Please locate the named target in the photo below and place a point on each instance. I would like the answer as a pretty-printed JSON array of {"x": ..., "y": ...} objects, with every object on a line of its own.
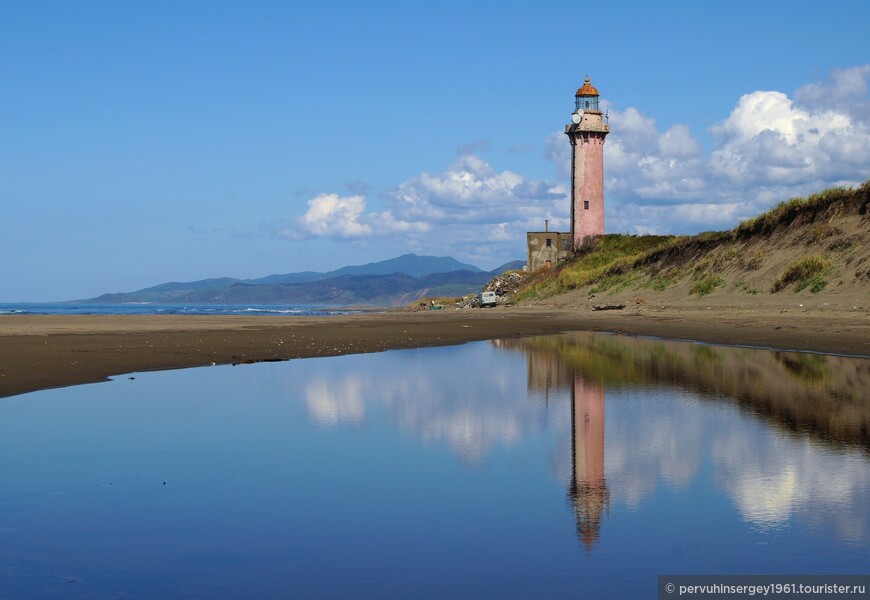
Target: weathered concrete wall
[{"x": 538, "y": 252}]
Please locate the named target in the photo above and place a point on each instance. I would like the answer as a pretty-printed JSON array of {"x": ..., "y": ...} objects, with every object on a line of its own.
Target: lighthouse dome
[{"x": 586, "y": 89}]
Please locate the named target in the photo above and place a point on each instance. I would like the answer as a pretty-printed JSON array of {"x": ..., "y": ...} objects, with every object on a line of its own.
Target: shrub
[
  {"x": 706, "y": 285},
  {"x": 809, "y": 271}
]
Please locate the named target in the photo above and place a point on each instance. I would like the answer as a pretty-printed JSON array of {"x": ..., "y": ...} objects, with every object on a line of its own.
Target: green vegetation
[
  {"x": 706, "y": 285},
  {"x": 663, "y": 281},
  {"x": 605, "y": 262},
  {"x": 612, "y": 263},
  {"x": 788, "y": 211},
  {"x": 613, "y": 283},
  {"x": 806, "y": 272}
]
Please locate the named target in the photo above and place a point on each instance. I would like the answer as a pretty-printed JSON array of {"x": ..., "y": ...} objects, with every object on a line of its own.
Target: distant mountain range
[{"x": 390, "y": 282}]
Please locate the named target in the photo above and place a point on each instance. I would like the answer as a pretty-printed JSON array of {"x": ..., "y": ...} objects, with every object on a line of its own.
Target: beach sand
[{"x": 45, "y": 351}]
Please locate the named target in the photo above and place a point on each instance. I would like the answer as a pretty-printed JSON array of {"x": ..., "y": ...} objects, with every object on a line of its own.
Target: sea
[
  {"x": 147, "y": 308},
  {"x": 581, "y": 465}
]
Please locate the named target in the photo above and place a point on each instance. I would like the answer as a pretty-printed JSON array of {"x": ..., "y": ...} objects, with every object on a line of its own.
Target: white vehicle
[{"x": 487, "y": 299}]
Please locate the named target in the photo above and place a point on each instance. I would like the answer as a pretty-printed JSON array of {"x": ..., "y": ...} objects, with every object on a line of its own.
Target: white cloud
[
  {"x": 330, "y": 215},
  {"x": 469, "y": 191},
  {"x": 677, "y": 142},
  {"x": 767, "y": 139},
  {"x": 465, "y": 205},
  {"x": 846, "y": 92},
  {"x": 770, "y": 147}
]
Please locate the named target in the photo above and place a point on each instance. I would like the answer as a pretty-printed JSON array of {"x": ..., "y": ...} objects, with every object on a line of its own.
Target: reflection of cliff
[
  {"x": 588, "y": 490},
  {"x": 826, "y": 396}
]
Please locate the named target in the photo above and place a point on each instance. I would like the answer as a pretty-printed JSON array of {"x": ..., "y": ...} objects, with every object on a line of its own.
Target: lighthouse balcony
[{"x": 591, "y": 126}]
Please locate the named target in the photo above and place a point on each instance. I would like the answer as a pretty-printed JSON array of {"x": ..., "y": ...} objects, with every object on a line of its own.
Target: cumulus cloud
[
  {"x": 469, "y": 190},
  {"x": 478, "y": 212},
  {"x": 331, "y": 215},
  {"x": 844, "y": 92},
  {"x": 468, "y": 200},
  {"x": 770, "y": 147}
]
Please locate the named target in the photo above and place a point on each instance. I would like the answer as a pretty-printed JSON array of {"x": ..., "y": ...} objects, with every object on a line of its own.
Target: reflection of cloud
[
  {"x": 779, "y": 436},
  {"x": 775, "y": 478},
  {"x": 333, "y": 401},
  {"x": 470, "y": 411},
  {"x": 646, "y": 444},
  {"x": 772, "y": 478},
  {"x": 656, "y": 435},
  {"x": 471, "y": 433},
  {"x": 765, "y": 500}
]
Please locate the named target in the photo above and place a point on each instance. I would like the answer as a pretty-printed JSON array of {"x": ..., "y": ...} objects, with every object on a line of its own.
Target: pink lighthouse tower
[{"x": 586, "y": 134}]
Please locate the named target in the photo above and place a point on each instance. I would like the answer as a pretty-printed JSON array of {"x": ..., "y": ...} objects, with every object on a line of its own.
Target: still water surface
[{"x": 580, "y": 465}]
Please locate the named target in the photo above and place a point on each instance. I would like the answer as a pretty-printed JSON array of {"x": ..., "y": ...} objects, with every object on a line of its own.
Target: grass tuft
[
  {"x": 806, "y": 272},
  {"x": 706, "y": 285}
]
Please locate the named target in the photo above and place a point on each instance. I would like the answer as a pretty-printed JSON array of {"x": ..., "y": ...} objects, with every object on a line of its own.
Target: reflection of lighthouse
[{"x": 588, "y": 491}]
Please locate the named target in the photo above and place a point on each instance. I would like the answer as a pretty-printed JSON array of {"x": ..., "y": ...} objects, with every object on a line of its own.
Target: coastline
[{"x": 47, "y": 351}]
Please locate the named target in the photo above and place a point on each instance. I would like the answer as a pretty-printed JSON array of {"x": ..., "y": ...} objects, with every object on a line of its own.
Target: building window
[
  {"x": 564, "y": 244},
  {"x": 586, "y": 204},
  {"x": 549, "y": 242}
]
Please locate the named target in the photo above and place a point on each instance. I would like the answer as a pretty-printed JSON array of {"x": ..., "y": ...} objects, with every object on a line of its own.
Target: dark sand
[{"x": 38, "y": 352}]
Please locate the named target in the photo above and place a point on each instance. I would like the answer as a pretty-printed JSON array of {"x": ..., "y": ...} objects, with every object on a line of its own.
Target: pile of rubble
[{"x": 504, "y": 286}]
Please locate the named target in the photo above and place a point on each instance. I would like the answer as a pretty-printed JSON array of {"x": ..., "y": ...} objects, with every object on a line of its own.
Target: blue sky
[{"x": 161, "y": 141}]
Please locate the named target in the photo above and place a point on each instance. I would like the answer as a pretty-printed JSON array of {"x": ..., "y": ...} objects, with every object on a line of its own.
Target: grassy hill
[{"x": 817, "y": 246}]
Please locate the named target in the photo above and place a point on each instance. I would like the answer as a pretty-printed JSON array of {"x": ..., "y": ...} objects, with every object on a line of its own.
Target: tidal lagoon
[{"x": 575, "y": 465}]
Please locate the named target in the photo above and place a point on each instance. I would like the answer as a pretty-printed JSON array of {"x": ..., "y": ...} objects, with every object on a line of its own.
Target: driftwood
[{"x": 609, "y": 307}]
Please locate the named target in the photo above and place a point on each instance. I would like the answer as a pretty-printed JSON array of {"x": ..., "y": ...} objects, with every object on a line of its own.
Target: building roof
[{"x": 586, "y": 89}]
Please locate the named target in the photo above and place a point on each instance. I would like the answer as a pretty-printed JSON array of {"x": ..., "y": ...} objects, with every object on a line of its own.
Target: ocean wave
[{"x": 147, "y": 308}]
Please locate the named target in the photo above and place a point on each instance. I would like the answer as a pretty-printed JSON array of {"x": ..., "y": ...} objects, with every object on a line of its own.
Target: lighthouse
[{"x": 586, "y": 132}]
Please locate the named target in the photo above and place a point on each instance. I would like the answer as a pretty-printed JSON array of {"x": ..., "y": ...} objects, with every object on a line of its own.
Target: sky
[{"x": 146, "y": 142}]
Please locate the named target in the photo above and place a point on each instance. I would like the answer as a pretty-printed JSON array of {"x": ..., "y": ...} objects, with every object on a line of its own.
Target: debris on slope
[{"x": 506, "y": 284}]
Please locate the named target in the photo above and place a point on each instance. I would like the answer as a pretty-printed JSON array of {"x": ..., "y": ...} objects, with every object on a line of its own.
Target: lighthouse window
[{"x": 586, "y": 204}]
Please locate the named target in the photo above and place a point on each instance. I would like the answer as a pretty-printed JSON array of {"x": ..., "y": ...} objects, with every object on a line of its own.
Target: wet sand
[{"x": 45, "y": 351}]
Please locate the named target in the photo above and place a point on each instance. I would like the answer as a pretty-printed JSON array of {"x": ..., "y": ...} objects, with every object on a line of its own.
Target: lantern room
[{"x": 586, "y": 97}]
